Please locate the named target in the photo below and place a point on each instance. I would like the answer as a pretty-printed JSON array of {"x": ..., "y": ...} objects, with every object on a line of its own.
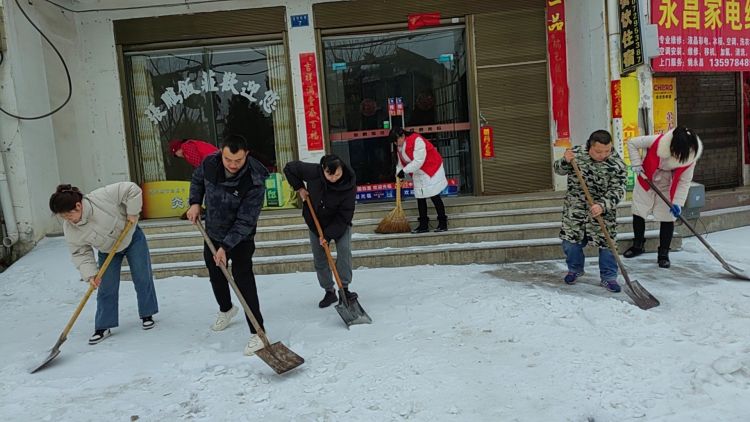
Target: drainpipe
[
  {"x": 11, "y": 228},
  {"x": 613, "y": 36}
]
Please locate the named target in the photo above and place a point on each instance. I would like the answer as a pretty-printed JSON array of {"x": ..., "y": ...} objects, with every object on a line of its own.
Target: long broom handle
[
  {"x": 91, "y": 288},
  {"x": 398, "y": 192},
  {"x": 590, "y": 200},
  {"x": 328, "y": 250},
  {"x": 230, "y": 279}
]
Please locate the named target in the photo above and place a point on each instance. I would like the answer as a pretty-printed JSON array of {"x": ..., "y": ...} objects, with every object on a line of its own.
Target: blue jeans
[
  {"x": 575, "y": 260},
  {"x": 343, "y": 260},
  {"x": 108, "y": 295}
]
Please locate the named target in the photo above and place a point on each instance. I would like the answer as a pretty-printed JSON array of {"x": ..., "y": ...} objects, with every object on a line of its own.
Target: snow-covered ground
[{"x": 464, "y": 343}]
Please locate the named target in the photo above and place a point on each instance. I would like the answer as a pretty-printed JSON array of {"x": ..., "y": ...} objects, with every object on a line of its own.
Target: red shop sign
[
  {"x": 705, "y": 35},
  {"x": 488, "y": 146},
  {"x": 558, "y": 69},
  {"x": 311, "y": 97}
]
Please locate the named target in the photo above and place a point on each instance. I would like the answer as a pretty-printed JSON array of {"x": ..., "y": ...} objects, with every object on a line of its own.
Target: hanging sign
[
  {"x": 488, "y": 146},
  {"x": 631, "y": 46},
  {"x": 419, "y": 20},
  {"x": 705, "y": 35},
  {"x": 207, "y": 81},
  {"x": 311, "y": 97},
  {"x": 558, "y": 70},
  {"x": 615, "y": 88}
]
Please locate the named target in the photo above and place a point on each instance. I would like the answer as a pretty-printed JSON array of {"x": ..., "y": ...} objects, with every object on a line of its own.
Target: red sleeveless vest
[
  {"x": 432, "y": 161},
  {"x": 651, "y": 163}
]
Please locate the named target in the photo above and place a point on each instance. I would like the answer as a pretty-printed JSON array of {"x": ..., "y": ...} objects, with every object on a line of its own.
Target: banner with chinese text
[
  {"x": 631, "y": 47},
  {"x": 311, "y": 96},
  {"x": 558, "y": 70},
  {"x": 702, "y": 35}
]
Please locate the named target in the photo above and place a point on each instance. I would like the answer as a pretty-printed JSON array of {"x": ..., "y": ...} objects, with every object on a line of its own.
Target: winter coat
[
  {"x": 418, "y": 157},
  {"x": 606, "y": 181},
  {"x": 333, "y": 202},
  {"x": 232, "y": 204},
  {"x": 196, "y": 151},
  {"x": 103, "y": 218},
  {"x": 670, "y": 176}
]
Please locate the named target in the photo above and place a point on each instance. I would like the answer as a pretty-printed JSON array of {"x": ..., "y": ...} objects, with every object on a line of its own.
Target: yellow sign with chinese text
[{"x": 665, "y": 110}]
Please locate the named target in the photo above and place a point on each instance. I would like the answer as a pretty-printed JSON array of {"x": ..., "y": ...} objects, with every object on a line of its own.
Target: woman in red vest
[
  {"x": 418, "y": 157},
  {"x": 669, "y": 162},
  {"x": 192, "y": 150}
]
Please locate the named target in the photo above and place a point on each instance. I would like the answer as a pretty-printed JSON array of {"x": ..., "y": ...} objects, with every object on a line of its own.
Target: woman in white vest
[
  {"x": 668, "y": 160},
  {"x": 96, "y": 221},
  {"x": 418, "y": 157}
]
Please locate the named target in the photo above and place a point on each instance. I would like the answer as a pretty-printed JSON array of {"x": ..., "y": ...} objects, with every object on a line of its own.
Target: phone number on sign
[{"x": 729, "y": 62}]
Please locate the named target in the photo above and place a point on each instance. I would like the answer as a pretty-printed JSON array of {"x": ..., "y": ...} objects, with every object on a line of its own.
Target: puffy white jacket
[{"x": 104, "y": 215}]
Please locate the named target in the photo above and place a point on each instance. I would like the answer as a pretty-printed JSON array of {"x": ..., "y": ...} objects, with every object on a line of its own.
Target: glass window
[
  {"x": 426, "y": 70},
  {"x": 204, "y": 94}
]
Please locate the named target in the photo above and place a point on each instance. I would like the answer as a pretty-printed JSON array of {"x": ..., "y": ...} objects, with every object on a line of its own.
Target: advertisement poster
[
  {"x": 558, "y": 71},
  {"x": 630, "y": 127},
  {"x": 665, "y": 97}
]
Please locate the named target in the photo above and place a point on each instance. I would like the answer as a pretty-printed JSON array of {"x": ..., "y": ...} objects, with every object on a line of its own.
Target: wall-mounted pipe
[{"x": 11, "y": 228}]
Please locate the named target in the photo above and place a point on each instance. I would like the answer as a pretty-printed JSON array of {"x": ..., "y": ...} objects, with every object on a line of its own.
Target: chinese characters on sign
[
  {"x": 311, "y": 97},
  {"x": 558, "y": 70},
  {"x": 665, "y": 112},
  {"x": 702, "y": 35},
  {"x": 615, "y": 88},
  {"x": 488, "y": 147},
  {"x": 631, "y": 47},
  {"x": 207, "y": 80}
]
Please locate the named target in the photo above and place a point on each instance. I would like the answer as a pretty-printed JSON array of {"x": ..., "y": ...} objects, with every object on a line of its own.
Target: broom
[{"x": 395, "y": 221}]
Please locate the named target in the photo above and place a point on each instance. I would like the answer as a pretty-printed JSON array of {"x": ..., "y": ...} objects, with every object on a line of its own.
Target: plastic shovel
[{"x": 64, "y": 335}]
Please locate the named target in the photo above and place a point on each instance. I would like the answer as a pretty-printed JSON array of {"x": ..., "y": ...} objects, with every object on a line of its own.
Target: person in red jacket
[{"x": 192, "y": 150}]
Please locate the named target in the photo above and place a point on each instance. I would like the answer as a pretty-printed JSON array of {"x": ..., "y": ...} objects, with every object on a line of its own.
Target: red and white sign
[
  {"x": 702, "y": 35},
  {"x": 311, "y": 97},
  {"x": 558, "y": 69},
  {"x": 488, "y": 147}
]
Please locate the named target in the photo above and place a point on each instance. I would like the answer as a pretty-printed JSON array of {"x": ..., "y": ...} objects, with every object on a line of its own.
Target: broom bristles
[{"x": 394, "y": 222}]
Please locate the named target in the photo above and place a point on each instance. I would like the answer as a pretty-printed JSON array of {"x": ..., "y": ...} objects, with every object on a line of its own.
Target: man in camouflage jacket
[{"x": 605, "y": 174}]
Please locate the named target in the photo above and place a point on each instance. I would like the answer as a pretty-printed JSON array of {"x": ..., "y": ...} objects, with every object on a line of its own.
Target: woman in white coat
[
  {"x": 668, "y": 160},
  {"x": 418, "y": 157}
]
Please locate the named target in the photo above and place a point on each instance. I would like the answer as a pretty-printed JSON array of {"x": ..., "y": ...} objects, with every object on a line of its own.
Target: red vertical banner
[
  {"x": 311, "y": 97},
  {"x": 615, "y": 88},
  {"x": 558, "y": 70},
  {"x": 746, "y": 112},
  {"x": 488, "y": 147}
]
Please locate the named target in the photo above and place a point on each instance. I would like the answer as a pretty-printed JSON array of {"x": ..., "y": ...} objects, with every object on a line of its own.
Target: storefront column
[{"x": 301, "y": 40}]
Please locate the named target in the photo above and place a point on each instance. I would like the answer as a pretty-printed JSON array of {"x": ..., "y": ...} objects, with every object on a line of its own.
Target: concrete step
[{"x": 449, "y": 254}]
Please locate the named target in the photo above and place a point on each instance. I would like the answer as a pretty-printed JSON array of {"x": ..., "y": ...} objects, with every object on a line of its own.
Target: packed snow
[{"x": 448, "y": 343}]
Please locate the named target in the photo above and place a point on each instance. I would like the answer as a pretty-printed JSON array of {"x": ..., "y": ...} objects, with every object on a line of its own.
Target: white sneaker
[
  {"x": 253, "y": 345},
  {"x": 224, "y": 318}
]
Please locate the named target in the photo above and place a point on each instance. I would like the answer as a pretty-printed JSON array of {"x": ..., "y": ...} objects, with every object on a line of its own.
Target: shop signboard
[
  {"x": 387, "y": 191},
  {"x": 631, "y": 45},
  {"x": 665, "y": 96},
  {"x": 558, "y": 70},
  {"x": 702, "y": 35},
  {"x": 311, "y": 95}
]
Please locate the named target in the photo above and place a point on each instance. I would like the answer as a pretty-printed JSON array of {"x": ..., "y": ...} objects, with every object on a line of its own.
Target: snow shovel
[
  {"x": 642, "y": 298},
  {"x": 350, "y": 311},
  {"x": 732, "y": 269},
  {"x": 276, "y": 355},
  {"x": 64, "y": 335}
]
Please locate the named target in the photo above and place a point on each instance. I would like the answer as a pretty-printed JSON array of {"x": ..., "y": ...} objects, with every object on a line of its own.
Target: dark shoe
[
  {"x": 350, "y": 296},
  {"x": 442, "y": 225},
  {"x": 423, "y": 227},
  {"x": 329, "y": 299},
  {"x": 147, "y": 323},
  {"x": 611, "y": 285},
  {"x": 571, "y": 278},
  {"x": 635, "y": 250},
  {"x": 99, "y": 335},
  {"x": 663, "y": 258}
]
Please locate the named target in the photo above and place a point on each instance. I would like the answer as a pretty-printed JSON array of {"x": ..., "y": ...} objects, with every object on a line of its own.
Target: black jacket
[
  {"x": 333, "y": 202},
  {"x": 232, "y": 204}
]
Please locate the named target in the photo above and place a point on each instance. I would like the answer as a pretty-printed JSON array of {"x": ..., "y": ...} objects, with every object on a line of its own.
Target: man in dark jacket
[
  {"x": 332, "y": 190},
  {"x": 233, "y": 186}
]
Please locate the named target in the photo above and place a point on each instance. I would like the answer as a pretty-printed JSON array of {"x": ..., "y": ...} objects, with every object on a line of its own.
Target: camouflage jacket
[{"x": 606, "y": 181}]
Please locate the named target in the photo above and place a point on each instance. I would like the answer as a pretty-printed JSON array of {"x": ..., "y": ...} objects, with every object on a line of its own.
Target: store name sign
[
  {"x": 208, "y": 83},
  {"x": 631, "y": 48},
  {"x": 705, "y": 35}
]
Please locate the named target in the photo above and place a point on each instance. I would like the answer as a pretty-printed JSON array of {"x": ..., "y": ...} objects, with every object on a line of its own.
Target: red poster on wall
[
  {"x": 746, "y": 111},
  {"x": 311, "y": 97},
  {"x": 488, "y": 147},
  {"x": 615, "y": 88},
  {"x": 558, "y": 70},
  {"x": 698, "y": 36}
]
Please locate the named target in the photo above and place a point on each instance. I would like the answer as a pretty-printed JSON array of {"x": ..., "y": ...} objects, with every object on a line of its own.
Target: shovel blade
[
  {"x": 642, "y": 298},
  {"x": 279, "y": 357},
  {"x": 52, "y": 354},
  {"x": 736, "y": 271},
  {"x": 352, "y": 313}
]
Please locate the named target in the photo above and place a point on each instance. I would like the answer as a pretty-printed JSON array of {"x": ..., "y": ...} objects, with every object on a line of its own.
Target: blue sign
[
  {"x": 339, "y": 66},
  {"x": 300, "y": 20},
  {"x": 445, "y": 58}
]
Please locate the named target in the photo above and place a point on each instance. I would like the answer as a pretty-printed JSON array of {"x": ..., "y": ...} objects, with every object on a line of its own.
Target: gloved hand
[
  {"x": 637, "y": 170},
  {"x": 676, "y": 210},
  {"x": 401, "y": 175}
]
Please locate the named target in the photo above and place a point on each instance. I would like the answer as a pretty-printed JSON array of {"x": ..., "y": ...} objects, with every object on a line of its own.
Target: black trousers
[
  {"x": 666, "y": 231},
  {"x": 437, "y": 201},
  {"x": 241, "y": 257}
]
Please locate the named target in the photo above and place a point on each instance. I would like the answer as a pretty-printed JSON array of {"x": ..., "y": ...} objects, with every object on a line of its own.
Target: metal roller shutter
[{"x": 513, "y": 97}]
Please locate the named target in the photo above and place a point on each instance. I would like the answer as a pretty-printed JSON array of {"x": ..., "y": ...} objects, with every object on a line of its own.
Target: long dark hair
[
  {"x": 65, "y": 199},
  {"x": 398, "y": 132},
  {"x": 684, "y": 143}
]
